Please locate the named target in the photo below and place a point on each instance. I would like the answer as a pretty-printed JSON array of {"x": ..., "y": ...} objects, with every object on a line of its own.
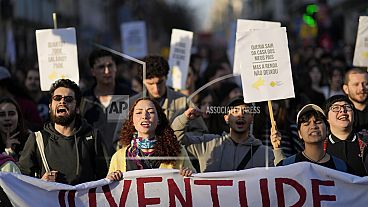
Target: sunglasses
[{"x": 67, "y": 99}]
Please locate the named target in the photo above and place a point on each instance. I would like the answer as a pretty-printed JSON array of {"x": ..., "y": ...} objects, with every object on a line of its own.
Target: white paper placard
[
  {"x": 244, "y": 26},
  {"x": 265, "y": 65},
  {"x": 134, "y": 38},
  {"x": 57, "y": 56},
  {"x": 180, "y": 47},
  {"x": 361, "y": 45}
]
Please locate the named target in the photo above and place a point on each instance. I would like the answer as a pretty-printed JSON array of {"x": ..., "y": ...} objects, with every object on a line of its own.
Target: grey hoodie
[{"x": 220, "y": 153}]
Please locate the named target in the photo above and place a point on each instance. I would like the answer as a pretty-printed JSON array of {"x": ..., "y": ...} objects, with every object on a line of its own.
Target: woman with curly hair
[{"x": 148, "y": 142}]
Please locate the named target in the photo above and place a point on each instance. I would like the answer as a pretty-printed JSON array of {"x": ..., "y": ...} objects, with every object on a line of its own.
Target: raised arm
[{"x": 275, "y": 137}]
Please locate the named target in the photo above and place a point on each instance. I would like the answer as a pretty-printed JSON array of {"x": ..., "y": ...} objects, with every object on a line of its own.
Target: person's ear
[
  {"x": 300, "y": 136},
  {"x": 226, "y": 118},
  {"x": 346, "y": 89}
]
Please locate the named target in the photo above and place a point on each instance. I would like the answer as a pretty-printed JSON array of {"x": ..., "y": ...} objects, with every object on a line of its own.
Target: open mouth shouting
[
  {"x": 240, "y": 123},
  {"x": 146, "y": 124},
  {"x": 62, "y": 111}
]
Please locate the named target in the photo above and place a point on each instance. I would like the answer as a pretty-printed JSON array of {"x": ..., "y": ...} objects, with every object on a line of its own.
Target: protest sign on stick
[
  {"x": 244, "y": 26},
  {"x": 361, "y": 45},
  {"x": 134, "y": 38},
  {"x": 265, "y": 66},
  {"x": 180, "y": 47},
  {"x": 57, "y": 55}
]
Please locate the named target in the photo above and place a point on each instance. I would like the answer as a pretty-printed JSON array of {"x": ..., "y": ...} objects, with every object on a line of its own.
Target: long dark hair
[
  {"x": 23, "y": 132},
  {"x": 167, "y": 143}
]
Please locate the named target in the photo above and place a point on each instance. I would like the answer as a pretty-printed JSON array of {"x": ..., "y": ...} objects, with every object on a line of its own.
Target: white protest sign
[
  {"x": 180, "y": 47},
  {"x": 244, "y": 26},
  {"x": 57, "y": 56},
  {"x": 134, "y": 38},
  {"x": 265, "y": 65},
  {"x": 361, "y": 45}
]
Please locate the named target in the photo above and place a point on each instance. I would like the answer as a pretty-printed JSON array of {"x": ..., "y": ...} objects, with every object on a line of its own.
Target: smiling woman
[
  {"x": 147, "y": 142},
  {"x": 312, "y": 129},
  {"x": 12, "y": 131}
]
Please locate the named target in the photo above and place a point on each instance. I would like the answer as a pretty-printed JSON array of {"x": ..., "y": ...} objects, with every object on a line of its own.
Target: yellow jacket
[{"x": 118, "y": 161}]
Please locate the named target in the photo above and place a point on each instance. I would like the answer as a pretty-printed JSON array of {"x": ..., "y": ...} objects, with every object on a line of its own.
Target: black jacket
[
  {"x": 353, "y": 151},
  {"x": 79, "y": 158},
  {"x": 97, "y": 115}
]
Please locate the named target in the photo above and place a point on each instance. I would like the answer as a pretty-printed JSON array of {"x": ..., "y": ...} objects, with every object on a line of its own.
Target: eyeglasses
[
  {"x": 337, "y": 108},
  {"x": 67, "y": 99}
]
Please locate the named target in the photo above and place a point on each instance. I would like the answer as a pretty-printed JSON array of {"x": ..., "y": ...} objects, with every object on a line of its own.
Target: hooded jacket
[
  {"x": 78, "y": 158},
  {"x": 221, "y": 153}
]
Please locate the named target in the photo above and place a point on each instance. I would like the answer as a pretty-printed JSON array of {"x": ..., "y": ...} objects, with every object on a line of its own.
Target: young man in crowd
[
  {"x": 236, "y": 150},
  {"x": 74, "y": 152},
  {"x": 32, "y": 84},
  {"x": 173, "y": 103},
  {"x": 356, "y": 88},
  {"x": 97, "y": 100},
  {"x": 344, "y": 142}
]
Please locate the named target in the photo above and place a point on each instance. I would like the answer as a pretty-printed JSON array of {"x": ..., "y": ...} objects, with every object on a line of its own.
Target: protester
[
  {"x": 74, "y": 152},
  {"x": 173, "y": 103},
  {"x": 236, "y": 150},
  {"x": 10, "y": 88},
  {"x": 98, "y": 98},
  {"x": 335, "y": 81},
  {"x": 344, "y": 142},
  {"x": 312, "y": 129},
  {"x": 12, "y": 130},
  {"x": 191, "y": 82},
  {"x": 32, "y": 84},
  {"x": 290, "y": 142},
  {"x": 145, "y": 136},
  {"x": 356, "y": 88}
]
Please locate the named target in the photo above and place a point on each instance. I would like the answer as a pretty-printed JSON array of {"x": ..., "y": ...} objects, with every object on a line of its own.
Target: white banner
[
  {"x": 180, "y": 47},
  {"x": 300, "y": 184},
  {"x": 242, "y": 28},
  {"x": 57, "y": 56},
  {"x": 134, "y": 38},
  {"x": 265, "y": 65},
  {"x": 361, "y": 45}
]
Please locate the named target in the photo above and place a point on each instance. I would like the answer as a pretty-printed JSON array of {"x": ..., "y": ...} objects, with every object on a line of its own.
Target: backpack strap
[
  {"x": 247, "y": 157},
  {"x": 288, "y": 161},
  {"x": 41, "y": 148},
  {"x": 339, "y": 164}
]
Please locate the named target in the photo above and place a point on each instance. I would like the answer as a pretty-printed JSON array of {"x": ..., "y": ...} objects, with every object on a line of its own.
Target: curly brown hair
[{"x": 167, "y": 144}]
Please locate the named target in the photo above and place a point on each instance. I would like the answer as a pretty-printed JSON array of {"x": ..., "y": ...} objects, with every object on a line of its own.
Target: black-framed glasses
[
  {"x": 337, "y": 108},
  {"x": 67, "y": 99}
]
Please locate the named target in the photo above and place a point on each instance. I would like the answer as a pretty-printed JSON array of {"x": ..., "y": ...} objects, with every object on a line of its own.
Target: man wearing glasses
[
  {"x": 343, "y": 141},
  {"x": 74, "y": 152}
]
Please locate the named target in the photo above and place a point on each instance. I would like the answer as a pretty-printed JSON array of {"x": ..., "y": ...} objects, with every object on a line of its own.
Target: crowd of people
[{"x": 66, "y": 136}]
